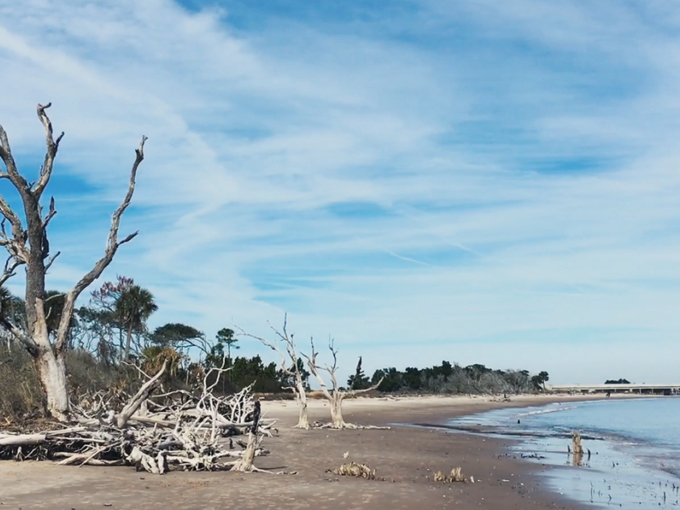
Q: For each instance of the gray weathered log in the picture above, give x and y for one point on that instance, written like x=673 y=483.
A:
x=147 y=388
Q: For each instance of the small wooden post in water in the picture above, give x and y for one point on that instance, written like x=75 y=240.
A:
x=577 y=447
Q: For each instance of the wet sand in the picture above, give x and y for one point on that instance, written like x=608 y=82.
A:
x=405 y=457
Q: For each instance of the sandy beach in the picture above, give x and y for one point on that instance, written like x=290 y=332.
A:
x=405 y=458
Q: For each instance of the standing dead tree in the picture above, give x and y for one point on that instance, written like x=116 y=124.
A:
x=293 y=371
x=28 y=245
x=335 y=395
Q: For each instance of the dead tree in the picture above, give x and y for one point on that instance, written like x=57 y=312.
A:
x=335 y=395
x=297 y=381
x=27 y=244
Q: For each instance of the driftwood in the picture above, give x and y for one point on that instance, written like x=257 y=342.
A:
x=153 y=433
x=245 y=463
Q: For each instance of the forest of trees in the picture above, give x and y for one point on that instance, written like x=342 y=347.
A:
x=452 y=378
x=151 y=397
x=52 y=350
x=111 y=333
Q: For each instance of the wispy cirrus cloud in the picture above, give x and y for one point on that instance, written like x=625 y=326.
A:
x=418 y=179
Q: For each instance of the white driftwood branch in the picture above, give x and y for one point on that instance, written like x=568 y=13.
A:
x=140 y=397
x=178 y=430
x=112 y=245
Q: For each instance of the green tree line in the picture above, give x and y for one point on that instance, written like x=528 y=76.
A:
x=110 y=333
x=454 y=379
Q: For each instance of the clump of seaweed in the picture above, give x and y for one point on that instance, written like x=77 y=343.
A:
x=356 y=470
x=456 y=475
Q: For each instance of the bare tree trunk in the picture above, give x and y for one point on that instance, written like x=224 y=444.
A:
x=245 y=464
x=52 y=374
x=29 y=246
x=301 y=397
x=337 y=420
x=128 y=342
x=140 y=397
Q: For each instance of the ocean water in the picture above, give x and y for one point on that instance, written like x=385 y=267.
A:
x=634 y=446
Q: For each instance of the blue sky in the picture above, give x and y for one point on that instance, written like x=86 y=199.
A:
x=476 y=181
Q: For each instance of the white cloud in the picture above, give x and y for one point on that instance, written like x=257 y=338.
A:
x=462 y=125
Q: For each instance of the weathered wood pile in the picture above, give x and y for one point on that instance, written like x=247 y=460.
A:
x=154 y=433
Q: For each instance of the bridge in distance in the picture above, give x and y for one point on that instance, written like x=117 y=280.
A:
x=644 y=388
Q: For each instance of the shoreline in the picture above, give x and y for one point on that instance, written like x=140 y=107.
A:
x=404 y=457
x=436 y=409
x=503 y=478
x=435 y=412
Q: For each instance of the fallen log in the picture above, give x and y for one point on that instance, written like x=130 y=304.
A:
x=22 y=439
x=140 y=397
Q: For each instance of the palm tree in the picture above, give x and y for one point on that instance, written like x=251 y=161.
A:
x=12 y=314
x=12 y=308
x=5 y=302
x=226 y=336
x=5 y=310
x=132 y=308
x=54 y=304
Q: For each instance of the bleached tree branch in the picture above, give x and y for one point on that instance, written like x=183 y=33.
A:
x=112 y=246
x=51 y=152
